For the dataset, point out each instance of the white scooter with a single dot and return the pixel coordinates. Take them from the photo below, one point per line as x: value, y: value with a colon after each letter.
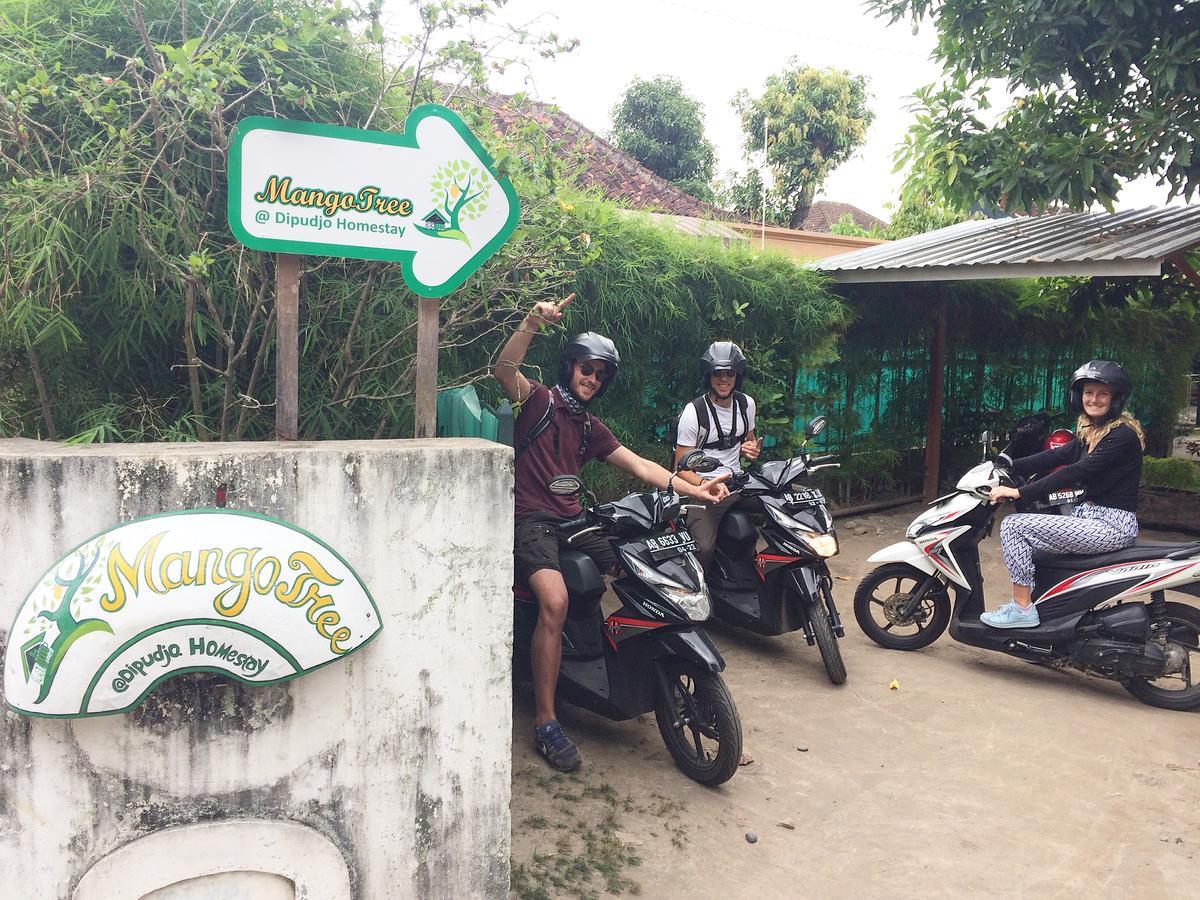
x: 1104, y: 613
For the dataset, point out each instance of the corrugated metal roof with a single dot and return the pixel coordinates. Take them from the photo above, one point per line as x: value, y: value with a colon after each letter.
x: 1135, y: 242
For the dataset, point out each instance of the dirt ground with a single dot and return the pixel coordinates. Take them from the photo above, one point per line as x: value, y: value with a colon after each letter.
x: 979, y: 775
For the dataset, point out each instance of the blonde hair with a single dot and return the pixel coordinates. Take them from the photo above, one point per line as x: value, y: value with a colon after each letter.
x: 1092, y: 435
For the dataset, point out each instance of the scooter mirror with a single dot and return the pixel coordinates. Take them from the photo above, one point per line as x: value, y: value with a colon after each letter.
x: 564, y: 485
x: 985, y: 438
x: 696, y: 461
x: 815, y: 427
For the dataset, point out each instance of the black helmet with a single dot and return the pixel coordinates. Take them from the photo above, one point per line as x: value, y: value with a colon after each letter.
x: 723, y: 355
x: 1105, y: 372
x: 589, y: 345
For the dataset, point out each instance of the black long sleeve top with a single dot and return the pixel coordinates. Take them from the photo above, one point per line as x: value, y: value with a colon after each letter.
x: 1109, y: 475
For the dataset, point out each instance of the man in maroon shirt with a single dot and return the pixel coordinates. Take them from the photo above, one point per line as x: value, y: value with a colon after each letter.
x: 555, y: 435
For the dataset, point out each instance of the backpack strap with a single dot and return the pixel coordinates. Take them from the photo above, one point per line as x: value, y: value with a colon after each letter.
x: 743, y: 406
x: 546, y: 421
x: 536, y: 431
x: 584, y: 439
x: 728, y: 441
x: 720, y: 442
x: 700, y: 405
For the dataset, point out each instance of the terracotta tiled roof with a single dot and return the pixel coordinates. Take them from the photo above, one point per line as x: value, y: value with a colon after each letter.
x: 615, y: 173
x: 824, y: 214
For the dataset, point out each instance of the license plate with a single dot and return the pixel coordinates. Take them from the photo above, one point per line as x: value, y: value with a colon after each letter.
x: 1062, y: 496
x: 673, y: 543
x: 810, y: 497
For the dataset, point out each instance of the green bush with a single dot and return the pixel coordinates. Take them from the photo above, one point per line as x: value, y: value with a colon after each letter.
x: 1178, y: 474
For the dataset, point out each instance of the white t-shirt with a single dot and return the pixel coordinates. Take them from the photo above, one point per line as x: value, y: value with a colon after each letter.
x: 729, y: 419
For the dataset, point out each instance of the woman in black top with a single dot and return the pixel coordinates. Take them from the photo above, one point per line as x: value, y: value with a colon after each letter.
x: 1105, y: 459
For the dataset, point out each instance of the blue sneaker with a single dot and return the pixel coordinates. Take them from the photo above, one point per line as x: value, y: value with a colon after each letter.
x: 557, y: 749
x: 1012, y: 616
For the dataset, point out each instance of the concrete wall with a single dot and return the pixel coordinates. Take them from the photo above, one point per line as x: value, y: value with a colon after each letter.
x: 397, y: 756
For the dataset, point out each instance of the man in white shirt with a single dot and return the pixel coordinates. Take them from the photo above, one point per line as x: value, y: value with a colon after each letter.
x: 721, y: 423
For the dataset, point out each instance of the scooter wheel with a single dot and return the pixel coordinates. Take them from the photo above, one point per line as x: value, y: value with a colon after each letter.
x: 698, y: 722
x: 880, y: 598
x: 1181, y: 689
x: 831, y: 654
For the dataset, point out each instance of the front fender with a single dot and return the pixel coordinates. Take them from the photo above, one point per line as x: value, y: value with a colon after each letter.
x: 905, y: 552
x: 696, y: 646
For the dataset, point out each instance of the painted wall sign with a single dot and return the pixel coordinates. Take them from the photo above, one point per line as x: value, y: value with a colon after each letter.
x: 207, y: 590
x: 428, y: 198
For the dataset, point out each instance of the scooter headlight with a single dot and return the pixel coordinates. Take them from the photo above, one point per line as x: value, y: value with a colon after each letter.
x: 696, y: 604
x: 821, y: 544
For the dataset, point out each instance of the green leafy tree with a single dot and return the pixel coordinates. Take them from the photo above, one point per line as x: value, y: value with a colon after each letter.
x: 127, y: 310
x: 847, y: 227
x: 659, y: 125
x: 818, y: 118
x: 1104, y: 91
x: 744, y: 193
x: 918, y: 214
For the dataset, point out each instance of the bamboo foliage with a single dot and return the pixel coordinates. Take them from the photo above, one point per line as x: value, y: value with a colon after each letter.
x: 126, y: 309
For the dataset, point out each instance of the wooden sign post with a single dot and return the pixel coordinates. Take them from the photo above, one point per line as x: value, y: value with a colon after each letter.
x: 430, y: 199
x: 287, y: 346
x: 425, y: 395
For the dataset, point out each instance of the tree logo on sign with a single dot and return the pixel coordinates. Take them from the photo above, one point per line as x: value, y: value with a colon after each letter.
x: 464, y: 188
x: 60, y: 629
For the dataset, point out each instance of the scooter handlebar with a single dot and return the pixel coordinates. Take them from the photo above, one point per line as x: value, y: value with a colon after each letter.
x: 569, y: 525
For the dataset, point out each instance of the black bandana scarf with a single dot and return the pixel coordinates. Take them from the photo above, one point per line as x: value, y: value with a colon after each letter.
x: 571, y: 401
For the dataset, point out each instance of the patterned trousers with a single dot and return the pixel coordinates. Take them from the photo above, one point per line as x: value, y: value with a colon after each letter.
x: 1089, y: 529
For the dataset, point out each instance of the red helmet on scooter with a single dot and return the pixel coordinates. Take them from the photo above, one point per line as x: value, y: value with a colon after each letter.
x: 1060, y: 437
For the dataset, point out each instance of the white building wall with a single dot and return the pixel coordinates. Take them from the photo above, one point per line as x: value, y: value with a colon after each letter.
x: 398, y: 755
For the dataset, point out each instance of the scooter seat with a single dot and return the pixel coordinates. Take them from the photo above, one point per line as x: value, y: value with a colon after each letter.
x: 1142, y: 550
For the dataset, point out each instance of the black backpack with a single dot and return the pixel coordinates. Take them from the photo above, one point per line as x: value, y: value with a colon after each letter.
x: 706, y: 420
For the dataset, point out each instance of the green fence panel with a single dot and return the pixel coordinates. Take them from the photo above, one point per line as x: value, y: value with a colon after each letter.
x: 446, y: 402
x: 489, y: 425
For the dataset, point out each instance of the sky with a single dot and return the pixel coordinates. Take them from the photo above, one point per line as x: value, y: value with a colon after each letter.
x: 716, y: 48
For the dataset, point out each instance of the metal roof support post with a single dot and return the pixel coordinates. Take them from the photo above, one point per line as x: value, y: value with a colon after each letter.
x: 1185, y: 267
x: 425, y: 405
x: 937, y: 390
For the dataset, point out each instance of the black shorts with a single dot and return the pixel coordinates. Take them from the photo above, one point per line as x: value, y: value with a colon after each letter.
x: 536, y: 545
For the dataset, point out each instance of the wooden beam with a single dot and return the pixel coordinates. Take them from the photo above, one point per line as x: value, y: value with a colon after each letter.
x: 1185, y: 267
x: 425, y: 401
x: 937, y: 390
x: 287, y: 338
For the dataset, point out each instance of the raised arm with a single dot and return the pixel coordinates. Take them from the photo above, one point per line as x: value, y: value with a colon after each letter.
x: 508, y: 364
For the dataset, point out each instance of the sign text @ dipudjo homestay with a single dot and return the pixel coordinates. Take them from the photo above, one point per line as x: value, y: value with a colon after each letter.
x: 198, y: 590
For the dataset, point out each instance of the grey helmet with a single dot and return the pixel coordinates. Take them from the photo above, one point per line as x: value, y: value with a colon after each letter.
x: 589, y: 345
x: 723, y: 355
x: 1105, y: 372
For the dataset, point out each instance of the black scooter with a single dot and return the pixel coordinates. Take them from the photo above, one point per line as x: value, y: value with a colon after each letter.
x: 787, y: 586
x: 1093, y: 608
x: 649, y: 654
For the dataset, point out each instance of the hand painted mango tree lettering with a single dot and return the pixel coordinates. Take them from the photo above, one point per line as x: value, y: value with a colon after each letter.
x: 197, y: 590
x: 241, y: 568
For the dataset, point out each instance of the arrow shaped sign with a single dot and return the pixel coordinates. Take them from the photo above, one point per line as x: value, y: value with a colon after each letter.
x: 429, y: 198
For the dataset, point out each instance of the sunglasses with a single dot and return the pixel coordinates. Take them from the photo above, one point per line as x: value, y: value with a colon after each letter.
x: 724, y: 373
x: 586, y: 369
